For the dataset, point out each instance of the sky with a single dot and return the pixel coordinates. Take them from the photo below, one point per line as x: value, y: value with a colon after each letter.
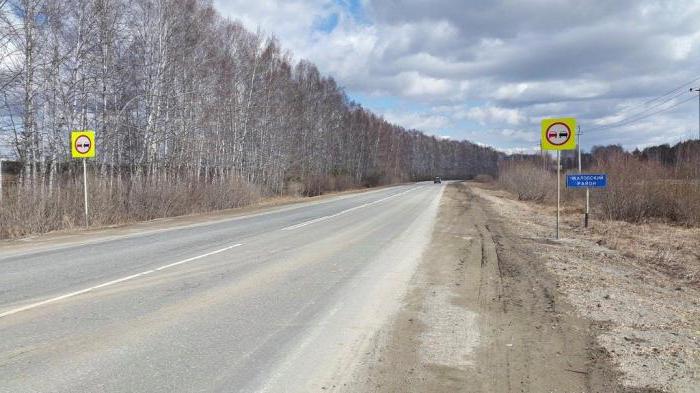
x: 489, y: 70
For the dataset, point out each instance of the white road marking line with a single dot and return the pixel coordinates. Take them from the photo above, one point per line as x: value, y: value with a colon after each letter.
x: 108, y: 283
x: 315, y: 220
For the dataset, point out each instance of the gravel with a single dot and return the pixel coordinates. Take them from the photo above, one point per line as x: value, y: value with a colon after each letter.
x: 641, y: 282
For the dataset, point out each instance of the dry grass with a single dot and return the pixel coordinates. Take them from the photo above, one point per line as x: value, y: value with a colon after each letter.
x: 30, y: 210
x: 483, y: 178
x: 638, y: 191
x: 26, y: 211
x: 527, y: 180
x: 314, y: 185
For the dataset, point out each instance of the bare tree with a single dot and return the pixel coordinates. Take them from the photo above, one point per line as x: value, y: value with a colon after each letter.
x: 183, y: 99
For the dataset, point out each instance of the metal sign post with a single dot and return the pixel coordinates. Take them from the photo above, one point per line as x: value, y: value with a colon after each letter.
x: 587, y: 181
x: 83, y: 146
x: 87, y: 222
x: 578, y: 146
x: 588, y: 207
x: 558, y: 134
x: 558, y: 189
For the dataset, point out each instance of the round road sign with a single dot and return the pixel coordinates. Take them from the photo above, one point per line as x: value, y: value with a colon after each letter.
x: 558, y: 134
x: 82, y: 144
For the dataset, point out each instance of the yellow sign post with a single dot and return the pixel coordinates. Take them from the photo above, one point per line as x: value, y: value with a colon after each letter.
x: 82, y: 145
x: 559, y: 134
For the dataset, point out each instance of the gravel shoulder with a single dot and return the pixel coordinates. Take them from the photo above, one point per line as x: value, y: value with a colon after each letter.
x: 498, y: 306
x: 639, y: 282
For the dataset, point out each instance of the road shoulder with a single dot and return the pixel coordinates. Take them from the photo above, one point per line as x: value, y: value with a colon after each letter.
x: 485, y: 314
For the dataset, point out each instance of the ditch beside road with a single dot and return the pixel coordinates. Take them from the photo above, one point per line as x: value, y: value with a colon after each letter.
x: 498, y: 306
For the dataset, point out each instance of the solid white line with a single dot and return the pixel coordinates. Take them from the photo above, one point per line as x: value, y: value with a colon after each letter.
x: 108, y: 283
x: 198, y: 257
x: 315, y: 220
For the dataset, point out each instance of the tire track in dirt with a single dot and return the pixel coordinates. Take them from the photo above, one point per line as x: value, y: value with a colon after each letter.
x: 527, y: 337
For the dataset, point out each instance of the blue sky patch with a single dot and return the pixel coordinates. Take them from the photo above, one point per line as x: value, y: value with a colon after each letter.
x: 327, y: 24
x: 354, y: 7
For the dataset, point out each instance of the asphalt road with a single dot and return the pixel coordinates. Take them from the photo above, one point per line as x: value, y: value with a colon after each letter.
x: 282, y: 301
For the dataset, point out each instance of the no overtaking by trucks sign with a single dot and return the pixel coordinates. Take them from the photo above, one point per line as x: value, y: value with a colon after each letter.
x: 559, y: 134
x: 82, y: 144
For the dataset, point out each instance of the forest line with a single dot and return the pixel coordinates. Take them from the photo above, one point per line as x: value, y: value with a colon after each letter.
x: 184, y: 101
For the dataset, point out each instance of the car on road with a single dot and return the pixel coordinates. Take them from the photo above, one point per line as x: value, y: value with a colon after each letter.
x: 437, y: 180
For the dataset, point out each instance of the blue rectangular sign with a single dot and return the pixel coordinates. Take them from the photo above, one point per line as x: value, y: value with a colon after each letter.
x: 585, y: 180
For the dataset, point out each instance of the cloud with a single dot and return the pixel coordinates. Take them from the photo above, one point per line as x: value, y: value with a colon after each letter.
x: 493, y: 114
x: 522, y: 150
x: 292, y: 21
x: 430, y: 123
x: 499, y: 64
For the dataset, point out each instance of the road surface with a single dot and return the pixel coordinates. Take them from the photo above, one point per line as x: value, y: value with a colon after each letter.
x: 284, y: 300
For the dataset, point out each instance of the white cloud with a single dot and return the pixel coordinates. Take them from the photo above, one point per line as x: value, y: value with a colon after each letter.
x: 522, y: 135
x: 432, y: 124
x: 551, y: 91
x: 526, y: 59
x: 522, y: 150
x: 493, y: 114
x: 413, y: 84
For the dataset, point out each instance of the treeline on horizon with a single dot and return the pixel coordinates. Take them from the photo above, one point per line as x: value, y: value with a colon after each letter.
x: 682, y: 156
x: 177, y: 93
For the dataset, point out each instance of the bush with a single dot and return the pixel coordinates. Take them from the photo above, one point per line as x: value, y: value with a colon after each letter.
x: 529, y: 181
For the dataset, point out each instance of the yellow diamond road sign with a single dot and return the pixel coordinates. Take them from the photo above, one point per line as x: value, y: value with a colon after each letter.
x: 82, y: 144
x: 559, y: 134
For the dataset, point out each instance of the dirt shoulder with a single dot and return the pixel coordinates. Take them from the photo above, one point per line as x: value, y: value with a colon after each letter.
x: 492, y: 309
x: 639, y: 282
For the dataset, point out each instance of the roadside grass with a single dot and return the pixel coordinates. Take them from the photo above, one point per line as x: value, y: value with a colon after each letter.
x: 638, y: 191
x: 26, y: 210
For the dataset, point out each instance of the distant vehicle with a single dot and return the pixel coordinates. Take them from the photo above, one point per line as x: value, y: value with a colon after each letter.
x: 437, y: 180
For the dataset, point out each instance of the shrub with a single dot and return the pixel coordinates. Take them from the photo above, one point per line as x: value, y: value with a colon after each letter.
x: 639, y: 190
x: 527, y: 180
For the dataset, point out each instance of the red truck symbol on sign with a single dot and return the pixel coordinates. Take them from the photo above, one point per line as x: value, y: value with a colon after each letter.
x: 558, y: 134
